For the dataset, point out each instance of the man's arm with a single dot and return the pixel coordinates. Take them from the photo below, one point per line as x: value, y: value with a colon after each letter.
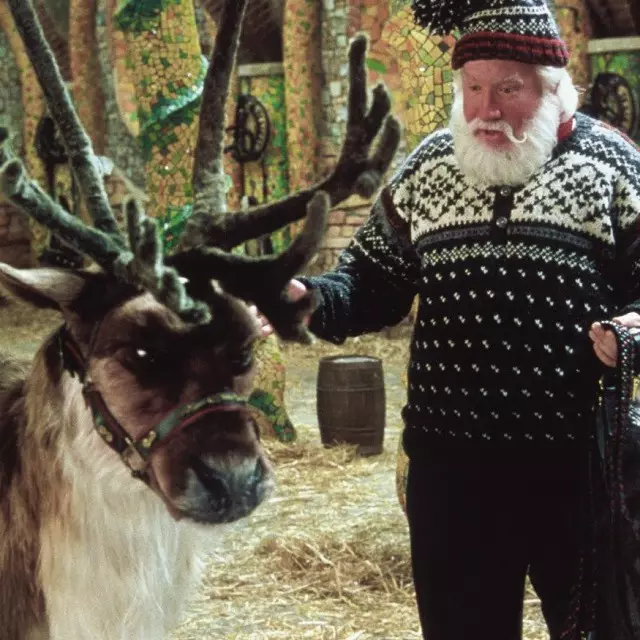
x: 626, y: 217
x: 375, y: 281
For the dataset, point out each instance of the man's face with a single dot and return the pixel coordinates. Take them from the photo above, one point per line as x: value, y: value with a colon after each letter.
x: 499, y: 91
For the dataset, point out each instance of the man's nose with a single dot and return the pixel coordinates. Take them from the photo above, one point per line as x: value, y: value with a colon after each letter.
x: 489, y: 109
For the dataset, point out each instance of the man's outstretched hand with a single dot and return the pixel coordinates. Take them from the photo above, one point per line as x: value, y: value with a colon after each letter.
x: 295, y: 291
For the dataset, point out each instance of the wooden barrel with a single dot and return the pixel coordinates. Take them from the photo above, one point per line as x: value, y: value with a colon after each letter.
x: 351, y: 402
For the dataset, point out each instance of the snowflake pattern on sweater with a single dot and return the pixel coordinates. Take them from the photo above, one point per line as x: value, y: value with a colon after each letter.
x: 509, y: 281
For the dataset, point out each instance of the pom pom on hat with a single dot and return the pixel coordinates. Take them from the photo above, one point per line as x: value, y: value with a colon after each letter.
x: 520, y: 30
x: 441, y: 16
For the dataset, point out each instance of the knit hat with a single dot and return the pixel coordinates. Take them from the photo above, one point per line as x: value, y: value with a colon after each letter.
x: 521, y: 30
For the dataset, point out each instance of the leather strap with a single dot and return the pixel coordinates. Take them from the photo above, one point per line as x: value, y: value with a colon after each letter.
x: 135, y: 452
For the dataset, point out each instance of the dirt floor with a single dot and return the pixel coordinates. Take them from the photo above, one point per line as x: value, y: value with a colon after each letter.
x: 327, y: 557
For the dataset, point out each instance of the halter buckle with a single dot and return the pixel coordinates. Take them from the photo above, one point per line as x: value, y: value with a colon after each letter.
x: 133, y: 458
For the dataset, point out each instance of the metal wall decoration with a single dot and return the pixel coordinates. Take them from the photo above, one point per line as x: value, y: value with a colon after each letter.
x: 614, y: 94
x: 251, y: 130
x: 266, y: 178
x: 611, y: 99
x: 251, y: 133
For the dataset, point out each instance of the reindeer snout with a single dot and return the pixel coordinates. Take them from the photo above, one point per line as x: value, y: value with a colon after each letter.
x: 230, y: 488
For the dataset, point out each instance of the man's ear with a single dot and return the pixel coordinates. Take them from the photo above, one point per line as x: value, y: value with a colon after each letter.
x: 45, y: 288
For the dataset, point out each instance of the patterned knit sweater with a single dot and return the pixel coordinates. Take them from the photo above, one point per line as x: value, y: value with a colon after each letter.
x: 509, y: 281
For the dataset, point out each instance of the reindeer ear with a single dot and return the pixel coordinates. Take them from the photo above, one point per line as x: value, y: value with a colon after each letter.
x: 45, y: 288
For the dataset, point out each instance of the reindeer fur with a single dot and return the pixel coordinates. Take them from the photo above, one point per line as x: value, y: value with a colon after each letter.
x: 86, y: 550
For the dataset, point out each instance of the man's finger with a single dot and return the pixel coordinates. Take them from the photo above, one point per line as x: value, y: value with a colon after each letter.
x: 603, y: 356
x: 608, y: 346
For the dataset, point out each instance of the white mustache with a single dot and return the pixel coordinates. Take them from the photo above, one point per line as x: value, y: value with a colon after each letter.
x: 498, y: 125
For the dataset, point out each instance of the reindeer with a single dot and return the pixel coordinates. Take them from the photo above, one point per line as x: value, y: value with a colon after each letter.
x: 127, y: 440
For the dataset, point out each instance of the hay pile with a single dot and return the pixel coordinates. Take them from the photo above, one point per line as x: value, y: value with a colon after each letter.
x: 318, y: 561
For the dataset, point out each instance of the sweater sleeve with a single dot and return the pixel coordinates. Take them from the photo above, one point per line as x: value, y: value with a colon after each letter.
x: 626, y: 214
x: 375, y: 281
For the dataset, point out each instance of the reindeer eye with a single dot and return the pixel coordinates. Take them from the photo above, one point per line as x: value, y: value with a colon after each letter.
x: 146, y: 357
x: 141, y: 360
x: 149, y: 365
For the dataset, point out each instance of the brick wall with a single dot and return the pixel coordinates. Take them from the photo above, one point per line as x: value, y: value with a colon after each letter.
x: 342, y: 224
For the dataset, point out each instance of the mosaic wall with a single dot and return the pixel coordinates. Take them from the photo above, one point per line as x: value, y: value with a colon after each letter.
x: 165, y: 61
x: 85, y: 68
x: 416, y: 68
x: 117, y: 90
x: 302, y: 72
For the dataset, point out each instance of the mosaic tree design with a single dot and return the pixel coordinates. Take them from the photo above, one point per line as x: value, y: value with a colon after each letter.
x: 165, y: 62
x: 120, y: 112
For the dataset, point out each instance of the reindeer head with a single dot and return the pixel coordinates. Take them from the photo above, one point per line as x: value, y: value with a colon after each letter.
x: 167, y: 395
x: 162, y: 344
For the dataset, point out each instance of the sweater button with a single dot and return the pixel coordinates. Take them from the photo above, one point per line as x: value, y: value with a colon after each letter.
x: 505, y: 191
x: 501, y: 222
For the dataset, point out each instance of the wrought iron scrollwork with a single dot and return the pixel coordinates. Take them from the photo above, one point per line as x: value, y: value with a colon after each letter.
x: 612, y: 100
x: 251, y: 131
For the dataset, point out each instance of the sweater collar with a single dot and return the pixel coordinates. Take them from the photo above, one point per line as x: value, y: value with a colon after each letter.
x: 566, y: 129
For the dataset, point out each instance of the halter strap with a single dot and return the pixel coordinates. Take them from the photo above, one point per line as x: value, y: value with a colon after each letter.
x: 135, y: 452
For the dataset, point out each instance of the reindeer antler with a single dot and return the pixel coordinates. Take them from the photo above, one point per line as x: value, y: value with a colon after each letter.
x: 263, y: 280
x: 208, y: 173
x: 142, y: 264
x: 355, y: 172
x: 77, y: 143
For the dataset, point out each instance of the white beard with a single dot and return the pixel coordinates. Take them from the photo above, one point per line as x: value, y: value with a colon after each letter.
x: 512, y: 166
